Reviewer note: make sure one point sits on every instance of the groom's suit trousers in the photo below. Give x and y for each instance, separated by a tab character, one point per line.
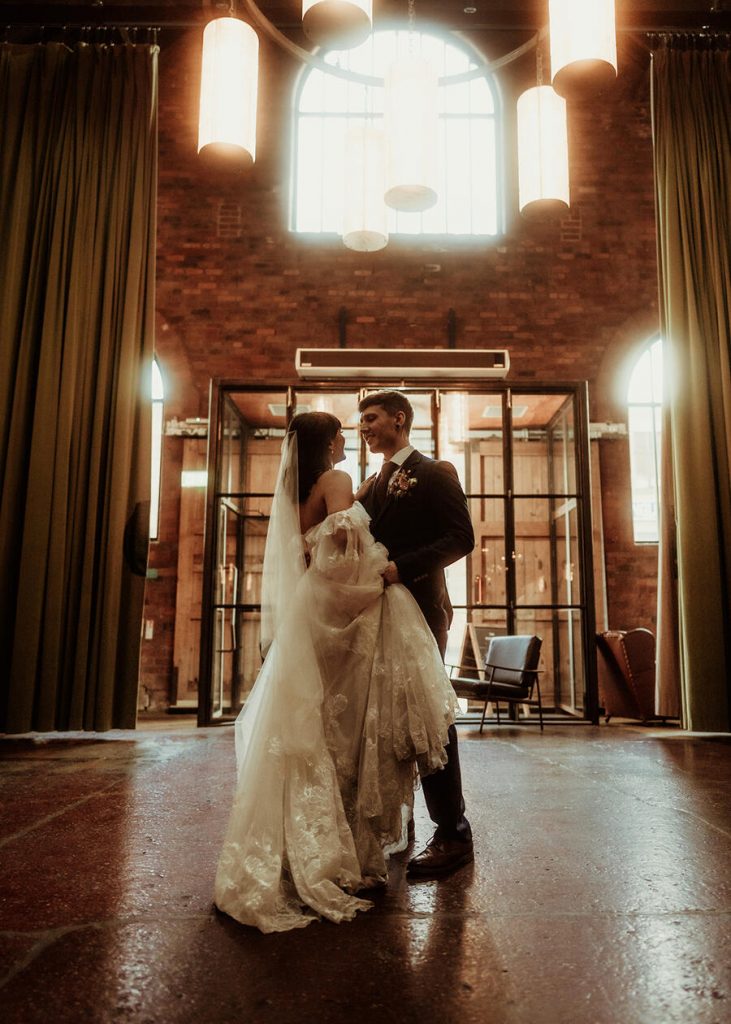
443	789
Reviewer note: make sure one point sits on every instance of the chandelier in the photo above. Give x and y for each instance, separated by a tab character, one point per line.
399	169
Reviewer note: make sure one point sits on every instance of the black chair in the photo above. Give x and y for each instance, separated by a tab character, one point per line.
511	675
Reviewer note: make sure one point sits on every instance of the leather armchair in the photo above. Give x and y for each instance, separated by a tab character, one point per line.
626	664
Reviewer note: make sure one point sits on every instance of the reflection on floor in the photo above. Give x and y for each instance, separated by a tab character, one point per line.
600	892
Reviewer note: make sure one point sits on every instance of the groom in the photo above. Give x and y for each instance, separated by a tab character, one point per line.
419	513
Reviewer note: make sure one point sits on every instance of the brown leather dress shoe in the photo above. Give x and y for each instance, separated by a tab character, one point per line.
440	857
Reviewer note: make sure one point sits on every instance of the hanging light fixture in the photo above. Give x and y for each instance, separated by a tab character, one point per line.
411	119
365	218
229	77
583	45
543	157
337	24
411	127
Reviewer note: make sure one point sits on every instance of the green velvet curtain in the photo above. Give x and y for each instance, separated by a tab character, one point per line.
78	180
691	107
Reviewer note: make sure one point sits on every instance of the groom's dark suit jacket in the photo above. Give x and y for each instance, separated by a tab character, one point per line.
425	527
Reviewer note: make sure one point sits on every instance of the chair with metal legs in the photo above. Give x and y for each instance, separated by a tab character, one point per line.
511	675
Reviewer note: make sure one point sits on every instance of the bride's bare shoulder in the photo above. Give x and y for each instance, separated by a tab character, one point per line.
336	487
334	477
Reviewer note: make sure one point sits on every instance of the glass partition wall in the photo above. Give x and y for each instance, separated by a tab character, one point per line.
523	458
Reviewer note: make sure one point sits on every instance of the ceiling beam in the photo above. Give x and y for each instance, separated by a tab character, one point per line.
185	15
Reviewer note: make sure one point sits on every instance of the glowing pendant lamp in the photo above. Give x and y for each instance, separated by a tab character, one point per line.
337	24
411	128
365	216
543	153
229	76
583	45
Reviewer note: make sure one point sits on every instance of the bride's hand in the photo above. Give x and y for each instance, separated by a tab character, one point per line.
364	488
390	574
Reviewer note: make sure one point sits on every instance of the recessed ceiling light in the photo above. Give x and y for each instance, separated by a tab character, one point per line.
495	412
280	409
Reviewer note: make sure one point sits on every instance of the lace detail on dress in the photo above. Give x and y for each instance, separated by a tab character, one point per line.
351	697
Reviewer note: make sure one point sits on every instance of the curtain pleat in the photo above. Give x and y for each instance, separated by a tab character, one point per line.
667	676
691	105
78	145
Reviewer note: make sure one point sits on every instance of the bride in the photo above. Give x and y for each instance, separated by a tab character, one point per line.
351	703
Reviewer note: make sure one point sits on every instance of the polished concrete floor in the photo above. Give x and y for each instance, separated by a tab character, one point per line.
600	893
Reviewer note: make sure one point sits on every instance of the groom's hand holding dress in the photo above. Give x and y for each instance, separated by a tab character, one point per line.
425	525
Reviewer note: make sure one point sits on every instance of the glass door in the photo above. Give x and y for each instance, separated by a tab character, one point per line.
244	445
530	572
522	457
547	567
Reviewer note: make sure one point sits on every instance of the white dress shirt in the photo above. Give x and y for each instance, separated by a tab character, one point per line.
402	455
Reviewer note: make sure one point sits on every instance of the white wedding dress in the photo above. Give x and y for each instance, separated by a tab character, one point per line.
351	698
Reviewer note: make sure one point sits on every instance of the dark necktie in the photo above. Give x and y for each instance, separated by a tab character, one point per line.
381	488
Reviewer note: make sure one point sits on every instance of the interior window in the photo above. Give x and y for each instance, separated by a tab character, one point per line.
468	138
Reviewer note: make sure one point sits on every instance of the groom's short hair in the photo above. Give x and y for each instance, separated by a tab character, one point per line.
392	402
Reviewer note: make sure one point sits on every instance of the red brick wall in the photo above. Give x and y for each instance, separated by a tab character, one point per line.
237	293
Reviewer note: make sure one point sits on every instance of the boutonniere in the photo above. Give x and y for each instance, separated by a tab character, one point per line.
401	483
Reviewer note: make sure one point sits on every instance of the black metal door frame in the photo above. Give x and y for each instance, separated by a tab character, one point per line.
221	389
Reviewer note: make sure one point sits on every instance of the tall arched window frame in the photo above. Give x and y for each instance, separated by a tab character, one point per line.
158	401
644	417
470	200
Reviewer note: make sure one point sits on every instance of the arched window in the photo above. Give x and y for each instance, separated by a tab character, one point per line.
644	406
157	422
468	139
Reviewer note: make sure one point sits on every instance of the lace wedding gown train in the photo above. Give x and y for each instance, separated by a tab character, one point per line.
352	697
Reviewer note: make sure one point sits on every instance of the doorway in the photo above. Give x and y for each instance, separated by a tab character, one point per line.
522	455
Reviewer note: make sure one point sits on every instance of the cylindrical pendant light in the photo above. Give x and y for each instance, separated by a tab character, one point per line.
337	24
583	45
411	118
543	152
229	77
365	215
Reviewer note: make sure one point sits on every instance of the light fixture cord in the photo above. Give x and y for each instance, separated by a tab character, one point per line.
539	63
412	19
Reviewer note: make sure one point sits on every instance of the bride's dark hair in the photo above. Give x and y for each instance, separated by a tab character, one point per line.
315	431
